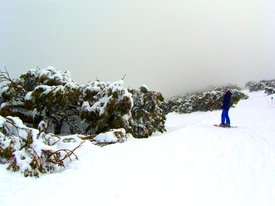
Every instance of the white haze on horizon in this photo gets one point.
(170, 46)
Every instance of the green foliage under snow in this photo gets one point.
(267, 85)
(208, 100)
(51, 96)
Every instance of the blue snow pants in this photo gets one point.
(225, 117)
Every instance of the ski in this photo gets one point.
(218, 125)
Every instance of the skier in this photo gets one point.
(225, 120)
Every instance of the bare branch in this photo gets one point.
(123, 76)
(5, 76)
(54, 157)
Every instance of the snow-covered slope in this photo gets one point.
(193, 164)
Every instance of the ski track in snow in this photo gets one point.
(193, 163)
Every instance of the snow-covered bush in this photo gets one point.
(51, 96)
(39, 94)
(111, 106)
(147, 113)
(58, 106)
(254, 86)
(267, 85)
(32, 152)
(208, 100)
(106, 106)
(270, 89)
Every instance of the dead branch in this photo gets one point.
(54, 157)
(37, 161)
(5, 76)
(123, 76)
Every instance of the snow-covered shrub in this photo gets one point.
(38, 94)
(106, 106)
(208, 100)
(51, 96)
(270, 87)
(29, 151)
(267, 85)
(254, 86)
(147, 113)
(58, 106)
(270, 90)
(12, 97)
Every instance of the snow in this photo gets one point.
(2, 120)
(28, 96)
(192, 164)
(101, 104)
(109, 136)
(53, 73)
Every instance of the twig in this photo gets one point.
(59, 161)
(5, 76)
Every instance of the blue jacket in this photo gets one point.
(226, 100)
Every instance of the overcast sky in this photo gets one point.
(172, 46)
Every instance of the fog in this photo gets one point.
(172, 46)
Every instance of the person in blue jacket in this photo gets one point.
(226, 104)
